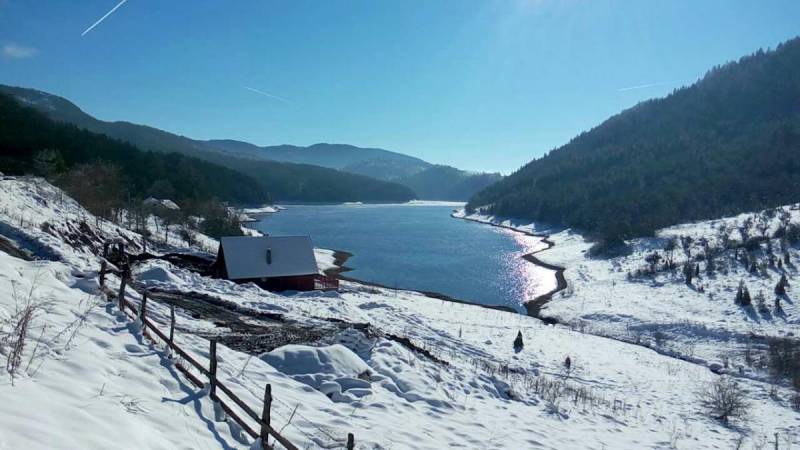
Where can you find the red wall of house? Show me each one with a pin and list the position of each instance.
(300, 283)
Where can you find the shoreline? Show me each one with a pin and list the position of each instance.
(534, 307)
(340, 258)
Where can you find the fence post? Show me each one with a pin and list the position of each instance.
(212, 369)
(123, 279)
(171, 324)
(103, 267)
(144, 307)
(265, 424)
(351, 441)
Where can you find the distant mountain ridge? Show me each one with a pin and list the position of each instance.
(333, 156)
(727, 144)
(88, 162)
(378, 164)
(284, 181)
(428, 181)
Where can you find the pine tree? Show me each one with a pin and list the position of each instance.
(780, 288)
(746, 299)
(518, 344)
(688, 272)
(739, 294)
(697, 270)
(761, 303)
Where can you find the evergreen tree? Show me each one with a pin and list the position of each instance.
(746, 300)
(761, 303)
(688, 272)
(518, 344)
(780, 288)
(739, 299)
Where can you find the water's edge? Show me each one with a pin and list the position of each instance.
(534, 307)
(340, 258)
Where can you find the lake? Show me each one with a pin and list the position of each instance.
(420, 247)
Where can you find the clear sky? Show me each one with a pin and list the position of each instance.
(481, 85)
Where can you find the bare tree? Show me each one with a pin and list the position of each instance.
(724, 400)
(98, 187)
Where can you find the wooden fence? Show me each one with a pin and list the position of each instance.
(262, 420)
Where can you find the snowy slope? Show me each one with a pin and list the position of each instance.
(411, 373)
(700, 321)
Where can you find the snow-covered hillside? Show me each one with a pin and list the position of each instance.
(638, 298)
(397, 369)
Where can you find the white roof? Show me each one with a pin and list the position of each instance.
(246, 256)
(166, 203)
(169, 204)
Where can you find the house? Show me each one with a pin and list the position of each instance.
(277, 263)
(153, 202)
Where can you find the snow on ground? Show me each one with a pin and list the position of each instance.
(266, 209)
(618, 297)
(87, 380)
(698, 321)
(423, 374)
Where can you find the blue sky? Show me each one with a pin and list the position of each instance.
(481, 85)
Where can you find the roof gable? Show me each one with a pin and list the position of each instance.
(246, 256)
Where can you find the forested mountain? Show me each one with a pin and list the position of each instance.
(295, 181)
(448, 183)
(383, 164)
(284, 181)
(728, 143)
(428, 181)
(32, 143)
(307, 183)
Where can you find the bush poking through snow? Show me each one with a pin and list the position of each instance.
(16, 328)
(724, 400)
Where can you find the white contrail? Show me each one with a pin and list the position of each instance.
(257, 91)
(104, 17)
(643, 86)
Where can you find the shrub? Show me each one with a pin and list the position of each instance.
(724, 400)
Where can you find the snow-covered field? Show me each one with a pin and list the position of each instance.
(424, 374)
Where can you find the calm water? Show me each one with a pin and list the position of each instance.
(421, 247)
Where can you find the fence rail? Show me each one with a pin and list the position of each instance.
(263, 429)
